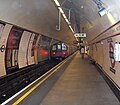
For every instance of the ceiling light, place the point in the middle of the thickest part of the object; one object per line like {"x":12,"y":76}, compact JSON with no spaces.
{"x":60,"y":9}
{"x":57,"y":3}
{"x":81,"y":6}
{"x":71,"y":28}
{"x":111,"y":18}
{"x":62,"y":12}
{"x":102,"y":12}
{"x":67,"y":21}
{"x":64,"y":16}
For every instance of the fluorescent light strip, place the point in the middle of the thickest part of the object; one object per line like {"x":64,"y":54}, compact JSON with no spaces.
{"x":62,"y":12}
{"x":71,"y":28}
{"x":57,"y":3}
{"x":111,"y":18}
{"x":60,"y":9}
{"x":67,"y":21}
{"x":64,"y":16}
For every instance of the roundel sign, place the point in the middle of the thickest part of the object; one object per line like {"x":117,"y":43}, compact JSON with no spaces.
{"x":111,"y":54}
{"x":2,"y":49}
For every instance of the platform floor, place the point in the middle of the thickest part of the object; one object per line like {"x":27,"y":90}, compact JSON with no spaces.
{"x":80,"y":84}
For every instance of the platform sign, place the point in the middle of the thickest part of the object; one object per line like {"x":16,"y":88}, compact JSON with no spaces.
{"x":80,"y":35}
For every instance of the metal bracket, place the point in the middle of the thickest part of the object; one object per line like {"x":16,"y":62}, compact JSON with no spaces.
{"x":58,"y":27}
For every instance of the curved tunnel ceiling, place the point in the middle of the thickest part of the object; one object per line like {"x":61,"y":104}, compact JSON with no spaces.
{"x":88,"y":18}
{"x":42,"y":16}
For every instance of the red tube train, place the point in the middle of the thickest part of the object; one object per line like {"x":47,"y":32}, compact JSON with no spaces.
{"x":61,"y":50}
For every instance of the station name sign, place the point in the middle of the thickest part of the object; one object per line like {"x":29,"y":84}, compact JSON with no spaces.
{"x":80,"y":35}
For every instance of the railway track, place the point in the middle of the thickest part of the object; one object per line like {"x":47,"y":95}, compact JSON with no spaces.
{"x":13,"y":83}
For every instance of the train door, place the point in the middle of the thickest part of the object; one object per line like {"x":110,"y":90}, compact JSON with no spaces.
{"x":59,"y":47}
{"x":53,"y":48}
{"x":11,"y":58}
{"x":65,"y":49}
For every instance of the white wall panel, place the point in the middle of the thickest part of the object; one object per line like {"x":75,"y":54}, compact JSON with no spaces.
{"x":3,"y":41}
{"x":23,"y":49}
{"x":100,"y":54}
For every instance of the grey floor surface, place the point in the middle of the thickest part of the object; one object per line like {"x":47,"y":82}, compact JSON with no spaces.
{"x":80,"y":84}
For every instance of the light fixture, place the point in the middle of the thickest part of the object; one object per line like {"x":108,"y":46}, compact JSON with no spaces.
{"x":67,"y":21}
{"x":101,"y":7}
{"x":71,"y":28}
{"x":60,"y":9}
{"x":81,"y":6}
{"x":102,"y":12}
{"x":64,"y":16}
{"x":111,"y":18}
{"x":101,"y":42}
{"x":57,"y":3}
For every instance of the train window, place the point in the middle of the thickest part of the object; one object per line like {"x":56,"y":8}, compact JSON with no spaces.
{"x":59,"y":47}
{"x":54,"y":47}
{"x":64,"y":47}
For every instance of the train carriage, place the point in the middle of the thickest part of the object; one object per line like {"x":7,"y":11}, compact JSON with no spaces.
{"x":59,"y":51}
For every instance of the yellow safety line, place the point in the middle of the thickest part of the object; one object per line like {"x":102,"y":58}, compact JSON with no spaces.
{"x":32,"y":89}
